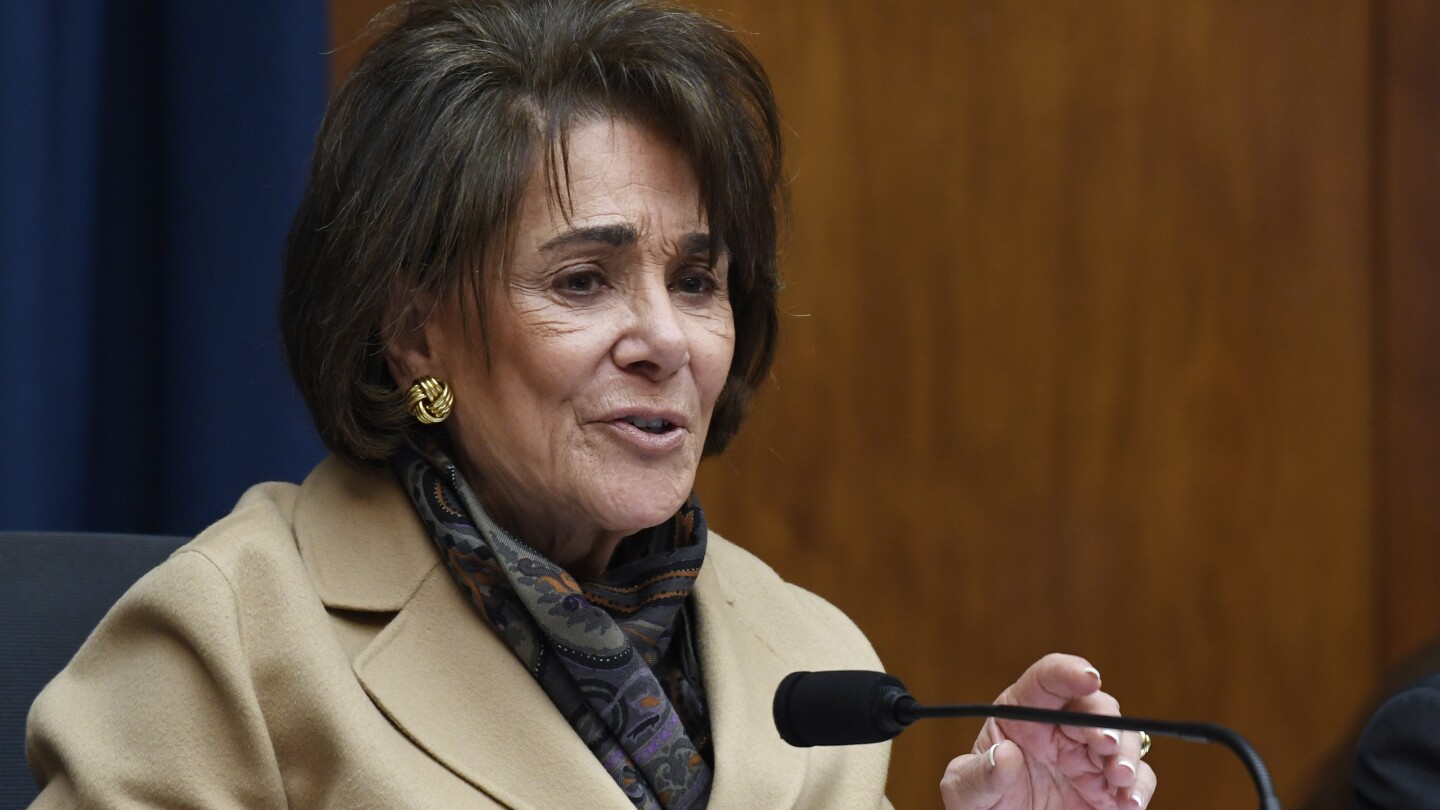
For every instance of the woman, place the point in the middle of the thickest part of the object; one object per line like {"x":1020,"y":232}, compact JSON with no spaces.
{"x":532,"y":282}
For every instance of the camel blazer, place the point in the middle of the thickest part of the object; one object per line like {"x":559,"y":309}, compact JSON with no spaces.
{"x":310,"y":650}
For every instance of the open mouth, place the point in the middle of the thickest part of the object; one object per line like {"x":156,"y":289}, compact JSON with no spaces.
{"x":650,"y":425}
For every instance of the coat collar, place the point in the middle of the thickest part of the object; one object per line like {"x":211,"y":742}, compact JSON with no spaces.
{"x":450,"y":684}
{"x":360,"y":538}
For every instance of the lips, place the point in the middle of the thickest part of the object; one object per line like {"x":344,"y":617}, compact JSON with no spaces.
{"x":646,"y":430}
{"x":650,"y":420}
{"x":657,"y":425}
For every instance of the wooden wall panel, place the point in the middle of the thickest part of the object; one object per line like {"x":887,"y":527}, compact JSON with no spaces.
{"x":1079,"y":354}
{"x":349,"y":21}
{"x":1084,"y":361}
{"x":1408,"y":284}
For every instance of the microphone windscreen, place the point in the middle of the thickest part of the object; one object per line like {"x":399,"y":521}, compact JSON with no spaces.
{"x":839,"y":707}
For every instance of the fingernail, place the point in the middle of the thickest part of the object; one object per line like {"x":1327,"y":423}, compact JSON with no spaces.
{"x":990,"y":757}
{"x":1112,"y":734}
{"x":1125,"y":763}
{"x":1137,"y":799}
{"x":1093,"y":671}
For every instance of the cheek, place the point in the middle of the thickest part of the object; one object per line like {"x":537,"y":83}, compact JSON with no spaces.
{"x":711,"y":355}
{"x":554,"y":360}
{"x":563,"y":367}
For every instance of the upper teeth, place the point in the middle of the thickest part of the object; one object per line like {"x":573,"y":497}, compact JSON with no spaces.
{"x":647,"y":424}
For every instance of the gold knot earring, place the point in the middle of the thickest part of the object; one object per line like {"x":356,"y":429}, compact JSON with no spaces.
{"x":430,"y":401}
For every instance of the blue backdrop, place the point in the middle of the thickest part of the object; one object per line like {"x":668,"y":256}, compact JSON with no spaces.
{"x":151,"y":154}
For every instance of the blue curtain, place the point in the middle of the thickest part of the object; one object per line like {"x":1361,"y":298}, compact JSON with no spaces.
{"x":151,"y":154}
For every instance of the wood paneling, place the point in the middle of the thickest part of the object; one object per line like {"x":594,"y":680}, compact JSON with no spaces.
{"x":1084,"y":358}
{"x":349,"y":33}
{"x":1110,"y":328}
{"x":1409,"y":328}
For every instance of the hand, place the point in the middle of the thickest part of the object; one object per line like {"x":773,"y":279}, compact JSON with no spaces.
{"x":1032,"y":766}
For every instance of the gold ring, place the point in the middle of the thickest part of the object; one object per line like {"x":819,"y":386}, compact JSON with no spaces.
{"x":1144,"y":744}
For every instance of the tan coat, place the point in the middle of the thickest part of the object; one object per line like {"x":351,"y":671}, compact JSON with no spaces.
{"x":309,"y":650}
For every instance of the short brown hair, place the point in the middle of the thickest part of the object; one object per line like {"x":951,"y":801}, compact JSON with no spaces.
{"x":422,"y":161}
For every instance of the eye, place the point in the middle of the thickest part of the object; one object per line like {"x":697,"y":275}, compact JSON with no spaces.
{"x":582,"y":282}
{"x":694,"y":281}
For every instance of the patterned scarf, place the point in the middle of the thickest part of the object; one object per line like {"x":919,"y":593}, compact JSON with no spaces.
{"x":614,"y":654}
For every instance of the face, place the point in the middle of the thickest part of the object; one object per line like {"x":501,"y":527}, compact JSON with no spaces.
{"x":607,"y":351}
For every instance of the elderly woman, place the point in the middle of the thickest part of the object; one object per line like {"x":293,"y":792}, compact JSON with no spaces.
{"x":531,"y":284}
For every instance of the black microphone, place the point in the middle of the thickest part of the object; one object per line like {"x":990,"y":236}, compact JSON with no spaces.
{"x":854,"y":707}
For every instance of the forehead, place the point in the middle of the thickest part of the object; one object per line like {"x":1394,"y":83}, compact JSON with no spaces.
{"x":615,"y":170}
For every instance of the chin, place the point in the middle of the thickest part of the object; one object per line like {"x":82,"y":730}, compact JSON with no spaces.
{"x":646,"y":500}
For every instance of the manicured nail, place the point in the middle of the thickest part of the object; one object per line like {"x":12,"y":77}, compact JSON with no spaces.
{"x":1137,"y":799}
{"x":1093,"y":671}
{"x":990,"y":757}
{"x":1125,"y":763}
{"x":1112,"y":734}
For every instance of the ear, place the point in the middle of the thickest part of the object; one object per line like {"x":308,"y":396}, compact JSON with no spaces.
{"x":416,"y":346}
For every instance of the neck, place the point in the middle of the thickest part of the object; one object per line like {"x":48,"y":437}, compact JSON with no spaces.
{"x":583,"y":553}
{"x":583,"y":557}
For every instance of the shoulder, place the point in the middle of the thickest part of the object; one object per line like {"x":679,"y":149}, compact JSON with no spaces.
{"x":204,"y":591}
{"x":167,"y":667}
{"x":260,"y":525}
{"x":247,"y":563}
{"x":346,"y":534}
{"x":1397,"y":761}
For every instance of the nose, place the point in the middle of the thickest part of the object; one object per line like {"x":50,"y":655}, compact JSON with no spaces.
{"x":654,"y":343}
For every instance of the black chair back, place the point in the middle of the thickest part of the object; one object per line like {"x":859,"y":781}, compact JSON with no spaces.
{"x":55,"y":588}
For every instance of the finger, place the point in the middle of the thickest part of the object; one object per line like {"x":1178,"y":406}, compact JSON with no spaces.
{"x":1102,"y":741}
{"x":980,"y":781}
{"x":1123,"y":767}
{"x":1139,"y":794}
{"x":1052,"y":682}
{"x":1109,"y":751}
{"x":1095,"y":703}
{"x":1101,"y":745}
{"x":1115,"y":753}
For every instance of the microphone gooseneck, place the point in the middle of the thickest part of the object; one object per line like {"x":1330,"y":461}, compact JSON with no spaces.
{"x":855,"y":707}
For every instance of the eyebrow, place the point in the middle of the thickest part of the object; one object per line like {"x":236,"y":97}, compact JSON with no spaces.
{"x":694,"y":243}
{"x":612,"y":235}
{"x":622,"y":235}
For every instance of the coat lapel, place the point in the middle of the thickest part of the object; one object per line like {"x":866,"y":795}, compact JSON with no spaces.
{"x":452,"y":686}
{"x":742,"y":668}
{"x":437,"y":671}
